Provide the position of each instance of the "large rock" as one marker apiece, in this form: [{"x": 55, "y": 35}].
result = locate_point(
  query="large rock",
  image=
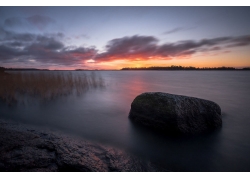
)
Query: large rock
[
  {"x": 175, "y": 113},
  {"x": 25, "y": 148}
]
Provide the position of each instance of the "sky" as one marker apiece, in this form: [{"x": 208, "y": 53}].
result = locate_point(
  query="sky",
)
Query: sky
[{"x": 113, "y": 37}]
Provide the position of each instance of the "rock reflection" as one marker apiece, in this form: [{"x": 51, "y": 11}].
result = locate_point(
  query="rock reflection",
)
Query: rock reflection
[{"x": 46, "y": 85}]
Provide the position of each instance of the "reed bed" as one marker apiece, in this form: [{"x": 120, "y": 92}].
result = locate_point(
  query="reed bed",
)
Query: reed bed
[{"x": 46, "y": 85}]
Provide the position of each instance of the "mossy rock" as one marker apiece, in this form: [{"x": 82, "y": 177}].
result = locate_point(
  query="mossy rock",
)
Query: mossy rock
[{"x": 175, "y": 113}]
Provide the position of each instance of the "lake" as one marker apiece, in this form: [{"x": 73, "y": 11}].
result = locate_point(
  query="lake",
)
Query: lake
[{"x": 101, "y": 115}]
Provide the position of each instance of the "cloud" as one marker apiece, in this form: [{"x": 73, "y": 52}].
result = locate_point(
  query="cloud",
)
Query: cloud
[
  {"x": 7, "y": 53},
  {"x": 137, "y": 48},
  {"x": 37, "y": 21},
  {"x": 134, "y": 47},
  {"x": 49, "y": 49},
  {"x": 40, "y": 21},
  {"x": 14, "y": 21},
  {"x": 84, "y": 36},
  {"x": 10, "y": 35},
  {"x": 46, "y": 49},
  {"x": 15, "y": 44},
  {"x": 240, "y": 41},
  {"x": 48, "y": 42},
  {"x": 175, "y": 30}
]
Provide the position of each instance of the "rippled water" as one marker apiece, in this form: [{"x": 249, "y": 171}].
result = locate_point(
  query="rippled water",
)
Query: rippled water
[{"x": 101, "y": 115}]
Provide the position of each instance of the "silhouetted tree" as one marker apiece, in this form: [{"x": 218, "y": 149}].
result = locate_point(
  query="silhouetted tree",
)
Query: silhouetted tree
[
  {"x": 2, "y": 69},
  {"x": 247, "y": 68}
]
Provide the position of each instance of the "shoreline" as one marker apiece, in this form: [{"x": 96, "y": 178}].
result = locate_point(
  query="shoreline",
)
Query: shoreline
[{"x": 28, "y": 148}]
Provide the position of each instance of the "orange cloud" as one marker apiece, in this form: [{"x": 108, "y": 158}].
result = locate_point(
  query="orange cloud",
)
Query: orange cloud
[{"x": 141, "y": 48}]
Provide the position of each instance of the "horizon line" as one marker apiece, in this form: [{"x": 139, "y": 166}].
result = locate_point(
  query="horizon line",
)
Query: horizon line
[{"x": 128, "y": 68}]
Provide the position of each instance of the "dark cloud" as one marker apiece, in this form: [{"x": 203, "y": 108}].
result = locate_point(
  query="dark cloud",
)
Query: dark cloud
[
  {"x": 49, "y": 43},
  {"x": 147, "y": 47},
  {"x": 42, "y": 48},
  {"x": 40, "y": 21},
  {"x": 10, "y": 36},
  {"x": 13, "y": 22},
  {"x": 178, "y": 29},
  {"x": 174, "y": 30},
  {"x": 240, "y": 41},
  {"x": 129, "y": 48},
  {"x": 37, "y": 21},
  {"x": 7, "y": 53},
  {"x": 15, "y": 44}
]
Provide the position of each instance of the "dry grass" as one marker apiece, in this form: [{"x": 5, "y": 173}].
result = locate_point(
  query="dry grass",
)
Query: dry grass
[{"x": 45, "y": 85}]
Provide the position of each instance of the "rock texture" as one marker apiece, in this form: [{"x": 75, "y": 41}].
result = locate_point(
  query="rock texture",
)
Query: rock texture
[
  {"x": 175, "y": 114},
  {"x": 24, "y": 148}
]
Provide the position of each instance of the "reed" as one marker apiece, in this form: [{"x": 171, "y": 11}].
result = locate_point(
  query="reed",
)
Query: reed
[{"x": 45, "y": 85}]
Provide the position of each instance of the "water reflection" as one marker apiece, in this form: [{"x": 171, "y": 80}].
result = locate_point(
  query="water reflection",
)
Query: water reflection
[{"x": 176, "y": 153}]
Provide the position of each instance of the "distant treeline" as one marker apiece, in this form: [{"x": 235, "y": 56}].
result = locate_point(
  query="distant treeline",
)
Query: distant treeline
[
  {"x": 182, "y": 68},
  {"x": 86, "y": 70},
  {"x": 21, "y": 69},
  {"x": 2, "y": 69}
]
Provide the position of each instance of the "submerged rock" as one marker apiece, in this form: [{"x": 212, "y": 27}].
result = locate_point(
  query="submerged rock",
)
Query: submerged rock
[
  {"x": 175, "y": 114},
  {"x": 23, "y": 148}
]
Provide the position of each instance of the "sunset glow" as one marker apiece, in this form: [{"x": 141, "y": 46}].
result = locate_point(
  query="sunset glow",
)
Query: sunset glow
[{"x": 51, "y": 39}]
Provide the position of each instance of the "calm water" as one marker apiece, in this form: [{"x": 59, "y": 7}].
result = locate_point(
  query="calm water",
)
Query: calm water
[{"x": 101, "y": 115}]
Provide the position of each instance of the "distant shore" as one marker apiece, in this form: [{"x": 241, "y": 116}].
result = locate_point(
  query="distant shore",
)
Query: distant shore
[
  {"x": 171, "y": 68},
  {"x": 164, "y": 68}
]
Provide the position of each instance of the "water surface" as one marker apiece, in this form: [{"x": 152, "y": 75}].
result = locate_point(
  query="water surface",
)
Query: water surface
[{"x": 101, "y": 115}]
